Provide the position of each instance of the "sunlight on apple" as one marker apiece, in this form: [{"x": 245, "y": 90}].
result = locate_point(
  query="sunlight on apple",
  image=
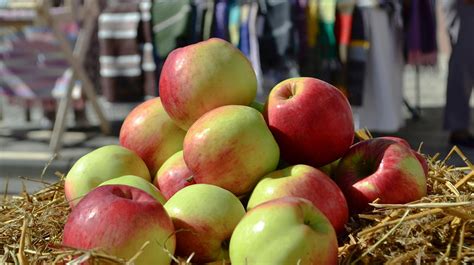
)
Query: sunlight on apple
[
  {"x": 202, "y": 134},
  {"x": 258, "y": 227}
]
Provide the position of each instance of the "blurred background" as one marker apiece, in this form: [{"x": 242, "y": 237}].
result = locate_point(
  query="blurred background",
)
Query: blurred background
[{"x": 70, "y": 71}]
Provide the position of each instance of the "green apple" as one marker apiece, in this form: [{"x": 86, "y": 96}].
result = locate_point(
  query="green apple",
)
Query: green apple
[
  {"x": 231, "y": 147},
  {"x": 287, "y": 230},
  {"x": 305, "y": 182},
  {"x": 150, "y": 132},
  {"x": 258, "y": 106},
  {"x": 102, "y": 164},
  {"x": 137, "y": 182},
  {"x": 200, "y": 77},
  {"x": 204, "y": 217}
]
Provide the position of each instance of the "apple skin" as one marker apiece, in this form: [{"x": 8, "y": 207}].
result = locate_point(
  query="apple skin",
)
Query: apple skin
[
  {"x": 119, "y": 219},
  {"x": 204, "y": 216},
  {"x": 138, "y": 183},
  {"x": 200, "y": 77},
  {"x": 380, "y": 168},
  {"x": 311, "y": 121},
  {"x": 305, "y": 182},
  {"x": 150, "y": 132},
  {"x": 173, "y": 175},
  {"x": 102, "y": 164},
  {"x": 286, "y": 230},
  {"x": 231, "y": 147},
  {"x": 419, "y": 156}
]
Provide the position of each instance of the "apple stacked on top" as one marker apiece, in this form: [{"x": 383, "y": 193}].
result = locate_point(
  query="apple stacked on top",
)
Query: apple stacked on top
[{"x": 209, "y": 148}]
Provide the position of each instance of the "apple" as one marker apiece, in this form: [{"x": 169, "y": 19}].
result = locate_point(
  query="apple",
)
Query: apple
[
  {"x": 102, "y": 164},
  {"x": 204, "y": 217},
  {"x": 258, "y": 106},
  {"x": 329, "y": 169},
  {"x": 150, "y": 132},
  {"x": 173, "y": 175},
  {"x": 305, "y": 182},
  {"x": 287, "y": 230},
  {"x": 200, "y": 77},
  {"x": 138, "y": 183},
  {"x": 230, "y": 147},
  {"x": 311, "y": 121},
  {"x": 419, "y": 156},
  {"x": 119, "y": 220},
  {"x": 380, "y": 169}
]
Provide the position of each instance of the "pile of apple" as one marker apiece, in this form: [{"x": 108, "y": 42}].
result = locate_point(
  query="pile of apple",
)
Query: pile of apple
[{"x": 206, "y": 173}]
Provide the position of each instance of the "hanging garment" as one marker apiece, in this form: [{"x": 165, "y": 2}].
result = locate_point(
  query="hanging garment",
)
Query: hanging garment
[
  {"x": 126, "y": 54},
  {"x": 254, "y": 48},
  {"x": 234, "y": 22},
  {"x": 420, "y": 32},
  {"x": 170, "y": 22},
  {"x": 357, "y": 56},
  {"x": 244, "y": 44},
  {"x": 345, "y": 8},
  {"x": 221, "y": 21},
  {"x": 382, "y": 95},
  {"x": 208, "y": 18}
]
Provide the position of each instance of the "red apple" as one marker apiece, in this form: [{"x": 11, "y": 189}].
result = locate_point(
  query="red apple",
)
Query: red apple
[
  {"x": 305, "y": 182},
  {"x": 119, "y": 220},
  {"x": 203, "y": 76},
  {"x": 419, "y": 156},
  {"x": 151, "y": 134},
  {"x": 311, "y": 121},
  {"x": 380, "y": 169},
  {"x": 173, "y": 176}
]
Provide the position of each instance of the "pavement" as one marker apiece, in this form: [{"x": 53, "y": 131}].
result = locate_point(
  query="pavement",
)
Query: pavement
[{"x": 24, "y": 151}]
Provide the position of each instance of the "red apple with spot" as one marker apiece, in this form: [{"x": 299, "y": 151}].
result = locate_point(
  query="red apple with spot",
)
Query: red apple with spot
[
  {"x": 173, "y": 175},
  {"x": 305, "y": 182},
  {"x": 150, "y": 133},
  {"x": 311, "y": 121},
  {"x": 380, "y": 169},
  {"x": 204, "y": 216},
  {"x": 119, "y": 220},
  {"x": 203, "y": 76},
  {"x": 287, "y": 230},
  {"x": 231, "y": 147}
]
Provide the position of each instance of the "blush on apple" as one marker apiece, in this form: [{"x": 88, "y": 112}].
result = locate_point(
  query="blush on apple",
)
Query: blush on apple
[
  {"x": 380, "y": 169},
  {"x": 173, "y": 175},
  {"x": 119, "y": 220},
  {"x": 311, "y": 121}
]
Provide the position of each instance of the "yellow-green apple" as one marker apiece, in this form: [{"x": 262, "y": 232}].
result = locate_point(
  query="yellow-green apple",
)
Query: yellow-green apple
[
  {"x": 150, "y": 132},
  {"x": 173, "y": 175},
  {"x": 102, "y": 164},
  {"x": 311, "y": 121},
  {"x": 305, "y": 182},
  {"x": 330, "y": 168},
  {"x": 204, "y": 217},
  {"x": 139, "y": 183},
  {"x": 231, "y": 147},
  {"x": 287, "y": 230},
  {"x": 200, "y": 77},
  {"x": 119, "y": 220},
  {"x": 419, "y": 156},
  {"x": 380, "y": 169}
]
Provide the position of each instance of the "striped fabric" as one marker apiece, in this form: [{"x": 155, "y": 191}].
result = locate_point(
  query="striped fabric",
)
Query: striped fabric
[{"x": 127, "y": 66}]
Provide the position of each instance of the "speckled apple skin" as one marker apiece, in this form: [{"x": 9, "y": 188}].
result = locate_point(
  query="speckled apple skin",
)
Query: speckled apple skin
[
  {"x": 151, "y": 134},
  {"x": 380, "y": 169},
  {"x": 119, "y": 219},
  {"x": 230, "y": 147},
  {"x": 311, "y": 121},
  {"x": 200, "y": 77},
  {"x": 206, "y": 216},
  {"x": 286, "y": 230},
  {"x": 173, "y": 175},
  {"x": 305, "y": 182}
]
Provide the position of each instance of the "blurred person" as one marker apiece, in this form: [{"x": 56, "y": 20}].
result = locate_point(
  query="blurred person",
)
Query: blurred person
[{"x": 460, "y": 22}]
